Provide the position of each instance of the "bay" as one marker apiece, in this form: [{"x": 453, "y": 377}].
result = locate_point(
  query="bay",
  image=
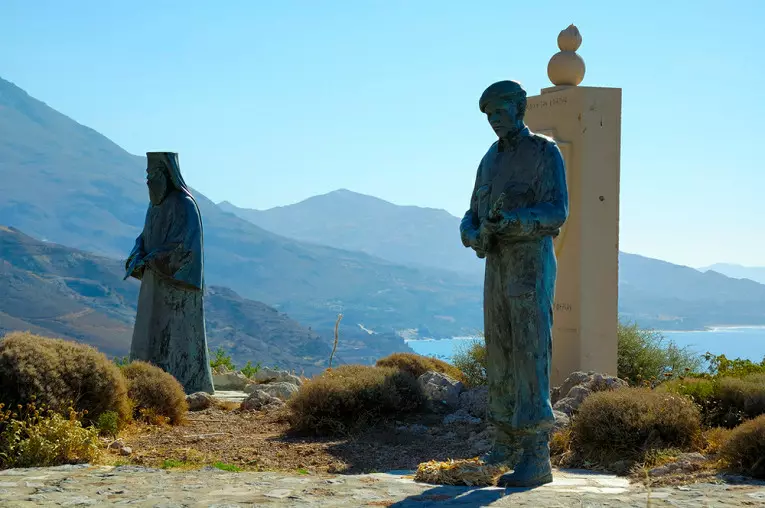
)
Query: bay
[{"x": 734, "y": 342}]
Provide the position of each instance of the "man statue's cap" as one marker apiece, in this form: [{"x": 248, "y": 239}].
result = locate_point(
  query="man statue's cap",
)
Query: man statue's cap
[{"x": 502, "y": 90}]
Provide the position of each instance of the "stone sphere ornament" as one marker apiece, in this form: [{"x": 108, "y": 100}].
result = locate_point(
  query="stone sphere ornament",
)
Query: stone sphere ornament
[{"x": 566, "y": 68}]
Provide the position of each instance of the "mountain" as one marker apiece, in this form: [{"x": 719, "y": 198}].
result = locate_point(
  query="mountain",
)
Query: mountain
[
  {"x": 407, "y": 235},
  {"x": 64, "y": 182},
  {"x": 755, "y": 273},
  {"x": 663, "y": 295},
  {"x": 654, "y": 293},
  {"x": 58, "y": 291}
]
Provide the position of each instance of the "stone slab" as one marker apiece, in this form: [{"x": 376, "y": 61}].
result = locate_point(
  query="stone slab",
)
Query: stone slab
[{"x": 138, "y": 486}]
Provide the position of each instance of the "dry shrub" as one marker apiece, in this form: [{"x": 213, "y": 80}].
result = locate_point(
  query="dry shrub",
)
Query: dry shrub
[
  {"x": 351, "y": 397},
  {"x": 59, "y": 373},
  {"x": 726, "y": 401},
  {"x": 34, "y": 436},
  {"x": 744, "y": 450},
  {"x": 417, "y": 365},
  {"x": 714, "y": 439},
  {"x": 156, "y": 395},
  {"x": 631, "y": 423}
]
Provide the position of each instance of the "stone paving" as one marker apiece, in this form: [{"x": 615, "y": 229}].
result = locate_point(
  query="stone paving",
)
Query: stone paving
[{"x": 85, "y": 485}]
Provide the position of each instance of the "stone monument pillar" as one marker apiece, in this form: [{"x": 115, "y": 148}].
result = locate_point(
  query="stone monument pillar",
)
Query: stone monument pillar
[{"x": 586, "y": 123}]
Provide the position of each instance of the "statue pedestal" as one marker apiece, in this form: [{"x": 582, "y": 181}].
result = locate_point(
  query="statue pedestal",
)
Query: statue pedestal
[{"x": 586, "y": 123}]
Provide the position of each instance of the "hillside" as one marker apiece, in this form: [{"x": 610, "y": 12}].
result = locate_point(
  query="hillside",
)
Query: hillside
[
  {"x": 755, "y": 273},
  {"x": 408, "y": 235},
  {"x": 58, "y": 291},
  {"x": 651, "y": 292},
  {"x": 663, "y": 295},
  {"x": 65, "y": 183}
]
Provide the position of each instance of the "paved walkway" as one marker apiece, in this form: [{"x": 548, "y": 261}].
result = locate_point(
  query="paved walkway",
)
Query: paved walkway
[{"x": 136, "y": 486}]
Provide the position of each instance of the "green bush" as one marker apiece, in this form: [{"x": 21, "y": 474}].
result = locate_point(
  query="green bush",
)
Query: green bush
[
  {"x": 155, "y": 393},
  {"x": 645, "y": 356},
  {"x": 417, "y": 365},
  {"x": 59, "y": 374},
  {"x": 630, "y": 423},
  {"x": 725, "y": 401},
  {"x": 108, "y": 424},
  {"x": 220, "y": 361},
  {"x": 351, "y": 397},
  {"x": 470, "y": 359},
  {"x": 34, "y": 436},
  {"x": 250, "y": 370},
  {"x": 744, "y": 450},
  {"x": 721, "y": 366}
]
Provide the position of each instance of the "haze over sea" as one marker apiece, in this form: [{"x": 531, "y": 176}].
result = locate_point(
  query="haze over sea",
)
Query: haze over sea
[{"x": 733, "y": 342}]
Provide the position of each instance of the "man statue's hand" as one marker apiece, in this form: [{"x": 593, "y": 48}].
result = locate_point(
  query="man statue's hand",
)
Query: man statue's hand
[
  {"x": 487, "y": 233},
  {"x": 509, "y": 223}
]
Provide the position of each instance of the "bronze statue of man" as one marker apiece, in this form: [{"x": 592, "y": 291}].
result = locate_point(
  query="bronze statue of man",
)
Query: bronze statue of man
[
  {"x": 518, "y": 205},
  {"x": 168, "y": 259}
]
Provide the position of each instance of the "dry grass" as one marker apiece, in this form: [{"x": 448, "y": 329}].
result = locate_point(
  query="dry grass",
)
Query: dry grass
[
  {"x": 33, "y": 436},
  {"x": 353, "y": 397},
  {"x": 631, "y": 423},
  {"x": 58, "y": 373},
  {"x": 417, "y": 365},
  {"x": 155, "y": 394},
  {"x": 470, "y": 472},
  {"x": 262, "y": 441}
]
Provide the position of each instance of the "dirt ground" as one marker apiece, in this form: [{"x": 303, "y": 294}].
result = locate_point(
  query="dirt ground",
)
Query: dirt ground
[{"x": 261, "y": 441}]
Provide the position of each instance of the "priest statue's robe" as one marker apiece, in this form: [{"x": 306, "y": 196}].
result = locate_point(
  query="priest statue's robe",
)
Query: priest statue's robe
[{"x": 168, "y": 259}]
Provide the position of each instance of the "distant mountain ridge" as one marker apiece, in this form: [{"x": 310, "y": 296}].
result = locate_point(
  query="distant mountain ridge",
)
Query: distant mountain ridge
[
  {"x": 755, "y": 273},
  {"x": 652, "y": 292},
  {"x": 358, "y": 222},
  {"x": 65, "y": 183}
]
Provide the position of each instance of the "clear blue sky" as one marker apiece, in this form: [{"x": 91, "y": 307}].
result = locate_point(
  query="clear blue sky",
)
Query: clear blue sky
[{"x": 269, "y": 103}]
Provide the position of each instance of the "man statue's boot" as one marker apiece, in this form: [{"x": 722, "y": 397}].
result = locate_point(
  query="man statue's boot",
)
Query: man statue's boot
[
  {"x": 534, "y": 468},
  {"x": 506, "y": 450}
]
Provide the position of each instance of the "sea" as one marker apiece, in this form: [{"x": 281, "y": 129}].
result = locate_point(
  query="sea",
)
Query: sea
[{"x": 733, "y": 342}]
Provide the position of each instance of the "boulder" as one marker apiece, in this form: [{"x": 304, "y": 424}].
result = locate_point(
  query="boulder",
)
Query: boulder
[
  {"x": 199, "y": 401},
  {"x": 578, "y": 386},
  {"x": 461, "y": 417},
  {"x": 281, "y": 390},
  {"x": 259, "y": 400},
  {"x": 475, "y": 401},
  {"x": 440, "y": 389},
  {"x": 562, "y": 421},
  {"x": 230, "y": 381},
  {"x": 267, "y": 375}
]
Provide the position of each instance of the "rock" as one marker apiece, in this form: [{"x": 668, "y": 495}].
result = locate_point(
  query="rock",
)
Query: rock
[
  {"x": 230, "y": 381},
  {"x": 461, "y": 416},
  {"x": 575, "y": 378},
  {"x": 267, "y": 375},
  {"x": 578, "y": 386},
  {"x": 439, "y": 389},
  {"x": 561, "y": 420},
  {"x": 126, "y": 450},
  {"x": 259, "y": 400},
  {"x": 685, "y": 463},
  {"x": 566, "y": 405},
  {"x": 199, "y": 401},
  {"x": 116, "y": 445},
  {"x": 579, "y": 393},
  {"x": 415, "y": 428},
  {"x": 475, "y": 401},
  {"x": 621, "y": 467},
  {"x": 480, "y": 442},
  {"x": 281, "y": 390}
]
